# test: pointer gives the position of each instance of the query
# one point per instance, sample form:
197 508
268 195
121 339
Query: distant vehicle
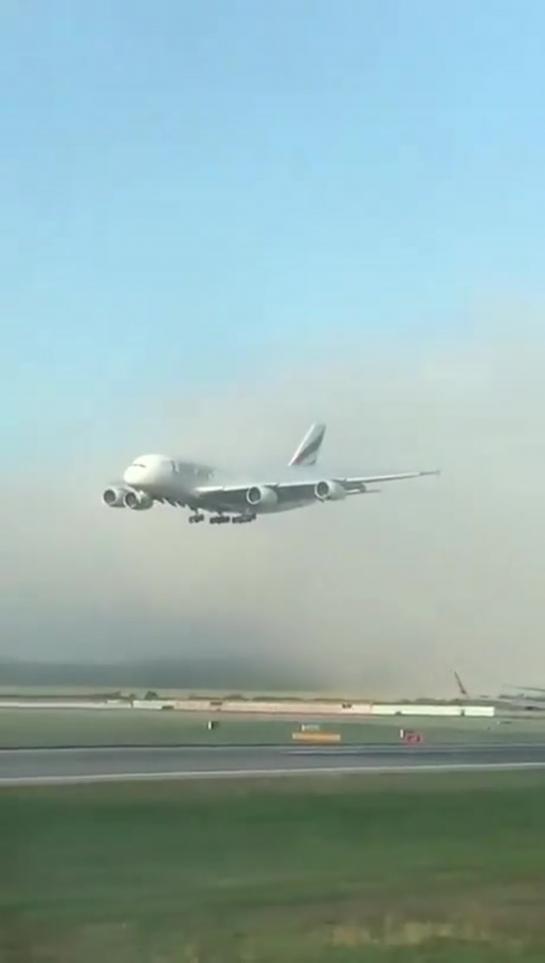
186 484
504 701
411 737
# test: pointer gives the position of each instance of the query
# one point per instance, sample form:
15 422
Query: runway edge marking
12 781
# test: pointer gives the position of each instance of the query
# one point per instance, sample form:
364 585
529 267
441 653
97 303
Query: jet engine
261 495
114 497
329 491
138 501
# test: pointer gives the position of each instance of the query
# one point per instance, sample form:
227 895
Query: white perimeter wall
241 707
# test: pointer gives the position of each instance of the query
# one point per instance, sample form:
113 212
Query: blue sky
220 220
192 192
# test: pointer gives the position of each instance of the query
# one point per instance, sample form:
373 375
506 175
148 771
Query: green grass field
50 727
445 868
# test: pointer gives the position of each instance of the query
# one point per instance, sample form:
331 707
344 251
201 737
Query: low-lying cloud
382 594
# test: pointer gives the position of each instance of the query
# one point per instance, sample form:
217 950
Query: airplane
530 688
502 701
187 484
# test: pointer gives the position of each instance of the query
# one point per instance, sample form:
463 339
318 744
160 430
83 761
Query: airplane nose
134 475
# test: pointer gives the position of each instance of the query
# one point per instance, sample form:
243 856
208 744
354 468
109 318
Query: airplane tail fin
461 686
307 451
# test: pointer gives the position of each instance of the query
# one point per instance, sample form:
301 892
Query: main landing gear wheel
220 520
196 518
243 519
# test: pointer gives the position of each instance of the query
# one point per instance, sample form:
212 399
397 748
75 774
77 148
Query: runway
117 764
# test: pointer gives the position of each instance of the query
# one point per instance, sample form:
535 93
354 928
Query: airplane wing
528 688
229 497
357 486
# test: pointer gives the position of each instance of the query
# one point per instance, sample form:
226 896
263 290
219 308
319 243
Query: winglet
307 451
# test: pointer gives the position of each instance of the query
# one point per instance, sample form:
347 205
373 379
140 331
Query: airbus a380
171 481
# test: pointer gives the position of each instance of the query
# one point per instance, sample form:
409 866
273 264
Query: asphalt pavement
50 766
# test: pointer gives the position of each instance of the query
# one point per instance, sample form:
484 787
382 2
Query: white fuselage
166 478
178 482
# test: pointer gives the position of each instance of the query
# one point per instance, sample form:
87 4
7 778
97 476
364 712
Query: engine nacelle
261 495
138 501
329 491
114 497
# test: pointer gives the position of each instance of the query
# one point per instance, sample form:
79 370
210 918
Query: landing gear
220 520
196 518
